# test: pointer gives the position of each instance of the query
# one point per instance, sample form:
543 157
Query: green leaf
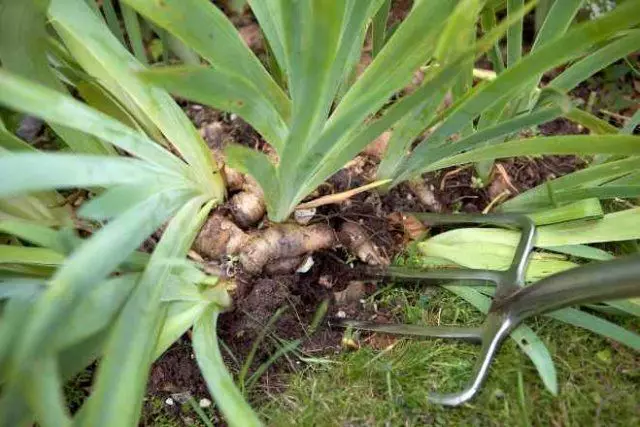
114 201
492 133
573 144
112 20
510 82
97 310
31 232
181 316
631 124
379 28
104 251
601 58
230 92
50 171
122 376
229 399
132 25
493 256
22 23
269 16
515 33
613 227
103 57
21 287
204 28
257 165
597 325
29 255
25 96
43 391
592 176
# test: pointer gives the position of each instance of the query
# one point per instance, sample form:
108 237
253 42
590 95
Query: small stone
169 401
204 403
341 314
306 265
181 397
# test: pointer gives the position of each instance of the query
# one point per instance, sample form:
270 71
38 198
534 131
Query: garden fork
513 302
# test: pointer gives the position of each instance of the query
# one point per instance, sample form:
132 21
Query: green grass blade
409 47
557 22
627 306
379 28
485 136
22 23
269 15
582 209
51 171
134 33
181 50
28 97
122 376
25 288
112 20
575 144
514 33
603 192
601 58
583 251
488 22
591 122
236 410
597 325
11 142
207 30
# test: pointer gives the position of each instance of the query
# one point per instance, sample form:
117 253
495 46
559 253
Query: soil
335 272
257 299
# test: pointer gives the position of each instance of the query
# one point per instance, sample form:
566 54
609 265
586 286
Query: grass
599 382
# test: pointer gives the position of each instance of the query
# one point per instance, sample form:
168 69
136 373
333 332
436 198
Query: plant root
354 238
280 245
425 194
284 241
219 237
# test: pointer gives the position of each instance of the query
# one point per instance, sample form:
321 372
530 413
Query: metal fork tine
443 274
495 329
472 334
